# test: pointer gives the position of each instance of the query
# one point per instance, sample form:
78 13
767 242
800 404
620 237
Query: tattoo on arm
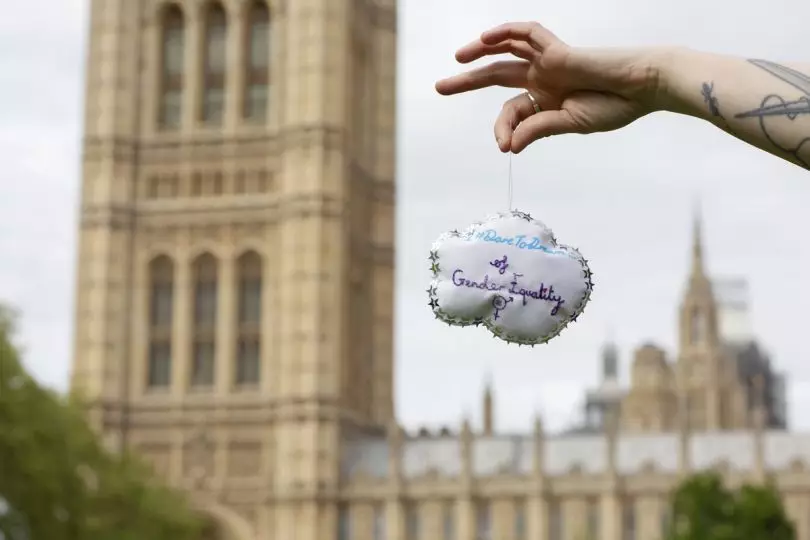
711 101
776 109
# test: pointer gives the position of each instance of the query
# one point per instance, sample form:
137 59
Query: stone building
234 310
715 372
234 297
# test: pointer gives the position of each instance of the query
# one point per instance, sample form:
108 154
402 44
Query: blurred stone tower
704 389
234 308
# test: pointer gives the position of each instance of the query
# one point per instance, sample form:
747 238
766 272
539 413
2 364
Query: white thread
510 182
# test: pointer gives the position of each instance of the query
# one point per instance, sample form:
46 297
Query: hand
577 90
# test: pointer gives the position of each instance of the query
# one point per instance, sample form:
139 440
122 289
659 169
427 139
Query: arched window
161 303
213 95
172 68
257 62
205 320
248 354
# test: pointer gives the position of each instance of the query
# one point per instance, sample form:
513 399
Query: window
162 293
412 523
172 68
449 522
555 522
247 362
213 100
696 326
593 519
250 289
483 523
665 520
205 319
161 300
629 520
520 520
248 357
202 368
160 364
344 523
378 531
257 63
205 293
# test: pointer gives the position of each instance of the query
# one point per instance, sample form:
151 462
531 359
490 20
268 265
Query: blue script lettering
521 241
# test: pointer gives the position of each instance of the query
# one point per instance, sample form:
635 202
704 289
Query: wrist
665 77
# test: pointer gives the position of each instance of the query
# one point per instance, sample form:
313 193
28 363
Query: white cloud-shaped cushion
509 274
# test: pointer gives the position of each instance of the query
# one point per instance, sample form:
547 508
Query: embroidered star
454 232
433 303
431 290
433 256
434 268
587 273
479 320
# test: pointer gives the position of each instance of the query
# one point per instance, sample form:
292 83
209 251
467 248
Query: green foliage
704 509
57 482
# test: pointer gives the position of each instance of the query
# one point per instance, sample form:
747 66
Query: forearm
763 103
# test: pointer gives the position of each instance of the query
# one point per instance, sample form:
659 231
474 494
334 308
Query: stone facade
236 257
234 319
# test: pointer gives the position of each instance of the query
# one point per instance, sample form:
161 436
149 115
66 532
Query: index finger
507 74
534 33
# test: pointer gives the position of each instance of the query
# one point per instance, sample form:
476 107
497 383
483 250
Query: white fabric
508 274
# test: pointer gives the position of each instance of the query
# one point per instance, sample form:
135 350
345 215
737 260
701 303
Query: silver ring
537 108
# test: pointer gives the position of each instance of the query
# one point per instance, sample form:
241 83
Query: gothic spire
489 421
697 242
610 359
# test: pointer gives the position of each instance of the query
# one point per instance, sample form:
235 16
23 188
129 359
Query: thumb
542 124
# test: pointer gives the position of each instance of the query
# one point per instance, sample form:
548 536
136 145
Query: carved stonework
244 459
198 459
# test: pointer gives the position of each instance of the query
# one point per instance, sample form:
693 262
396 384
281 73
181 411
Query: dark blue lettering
460 281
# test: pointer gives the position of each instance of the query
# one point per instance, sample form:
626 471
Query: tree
704 509
56 479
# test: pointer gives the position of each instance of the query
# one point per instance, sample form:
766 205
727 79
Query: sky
624 199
